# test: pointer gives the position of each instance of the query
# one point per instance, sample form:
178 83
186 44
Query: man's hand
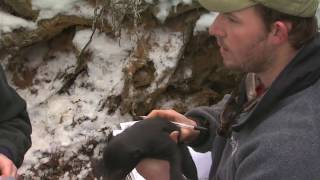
7 168
155 169
187 134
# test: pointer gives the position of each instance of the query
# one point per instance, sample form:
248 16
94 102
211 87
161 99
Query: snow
109 55
51 8
9 22
164 10
204 22
66 122
53 5
47 72
166 58
166 6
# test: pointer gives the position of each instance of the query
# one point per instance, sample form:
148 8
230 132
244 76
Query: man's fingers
13 171
155 113
9 171
167 114
5 172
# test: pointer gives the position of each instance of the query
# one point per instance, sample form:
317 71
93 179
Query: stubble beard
258 58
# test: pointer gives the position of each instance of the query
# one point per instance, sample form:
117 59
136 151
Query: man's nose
216 28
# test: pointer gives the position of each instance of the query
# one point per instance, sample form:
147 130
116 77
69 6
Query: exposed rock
113 103
22 8
144 76
47 29
202 68
165 55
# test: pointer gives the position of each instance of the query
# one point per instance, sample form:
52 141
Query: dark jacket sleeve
209 117
15 126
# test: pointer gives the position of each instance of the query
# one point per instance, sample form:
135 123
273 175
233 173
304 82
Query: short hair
303 29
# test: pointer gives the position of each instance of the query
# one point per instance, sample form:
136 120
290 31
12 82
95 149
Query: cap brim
225 6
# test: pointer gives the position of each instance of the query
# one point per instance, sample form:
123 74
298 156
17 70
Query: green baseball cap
301 8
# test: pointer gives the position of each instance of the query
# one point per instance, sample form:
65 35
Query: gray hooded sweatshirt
279 138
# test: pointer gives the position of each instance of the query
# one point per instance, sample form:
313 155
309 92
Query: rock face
22 7
128 67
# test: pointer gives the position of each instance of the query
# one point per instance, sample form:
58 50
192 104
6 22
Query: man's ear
280 32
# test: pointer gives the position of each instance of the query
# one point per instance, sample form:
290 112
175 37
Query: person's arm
207 117
15 126
202 116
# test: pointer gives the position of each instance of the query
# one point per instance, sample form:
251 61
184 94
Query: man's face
243 40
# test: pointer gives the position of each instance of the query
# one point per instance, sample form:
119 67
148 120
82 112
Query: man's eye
231 19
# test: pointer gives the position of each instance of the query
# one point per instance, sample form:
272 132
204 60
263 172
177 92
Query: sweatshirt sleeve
208 117
15 126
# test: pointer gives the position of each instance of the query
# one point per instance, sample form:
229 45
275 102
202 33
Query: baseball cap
301 8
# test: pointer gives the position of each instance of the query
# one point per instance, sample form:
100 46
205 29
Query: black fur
147 138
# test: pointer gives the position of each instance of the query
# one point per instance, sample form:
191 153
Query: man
270 126
15 129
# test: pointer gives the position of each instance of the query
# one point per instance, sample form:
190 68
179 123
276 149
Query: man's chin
232 66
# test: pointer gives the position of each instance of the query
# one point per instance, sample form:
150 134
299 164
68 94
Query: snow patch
166 6
51 8
165 55
65 122
109 55
54 5
204 22
9 22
